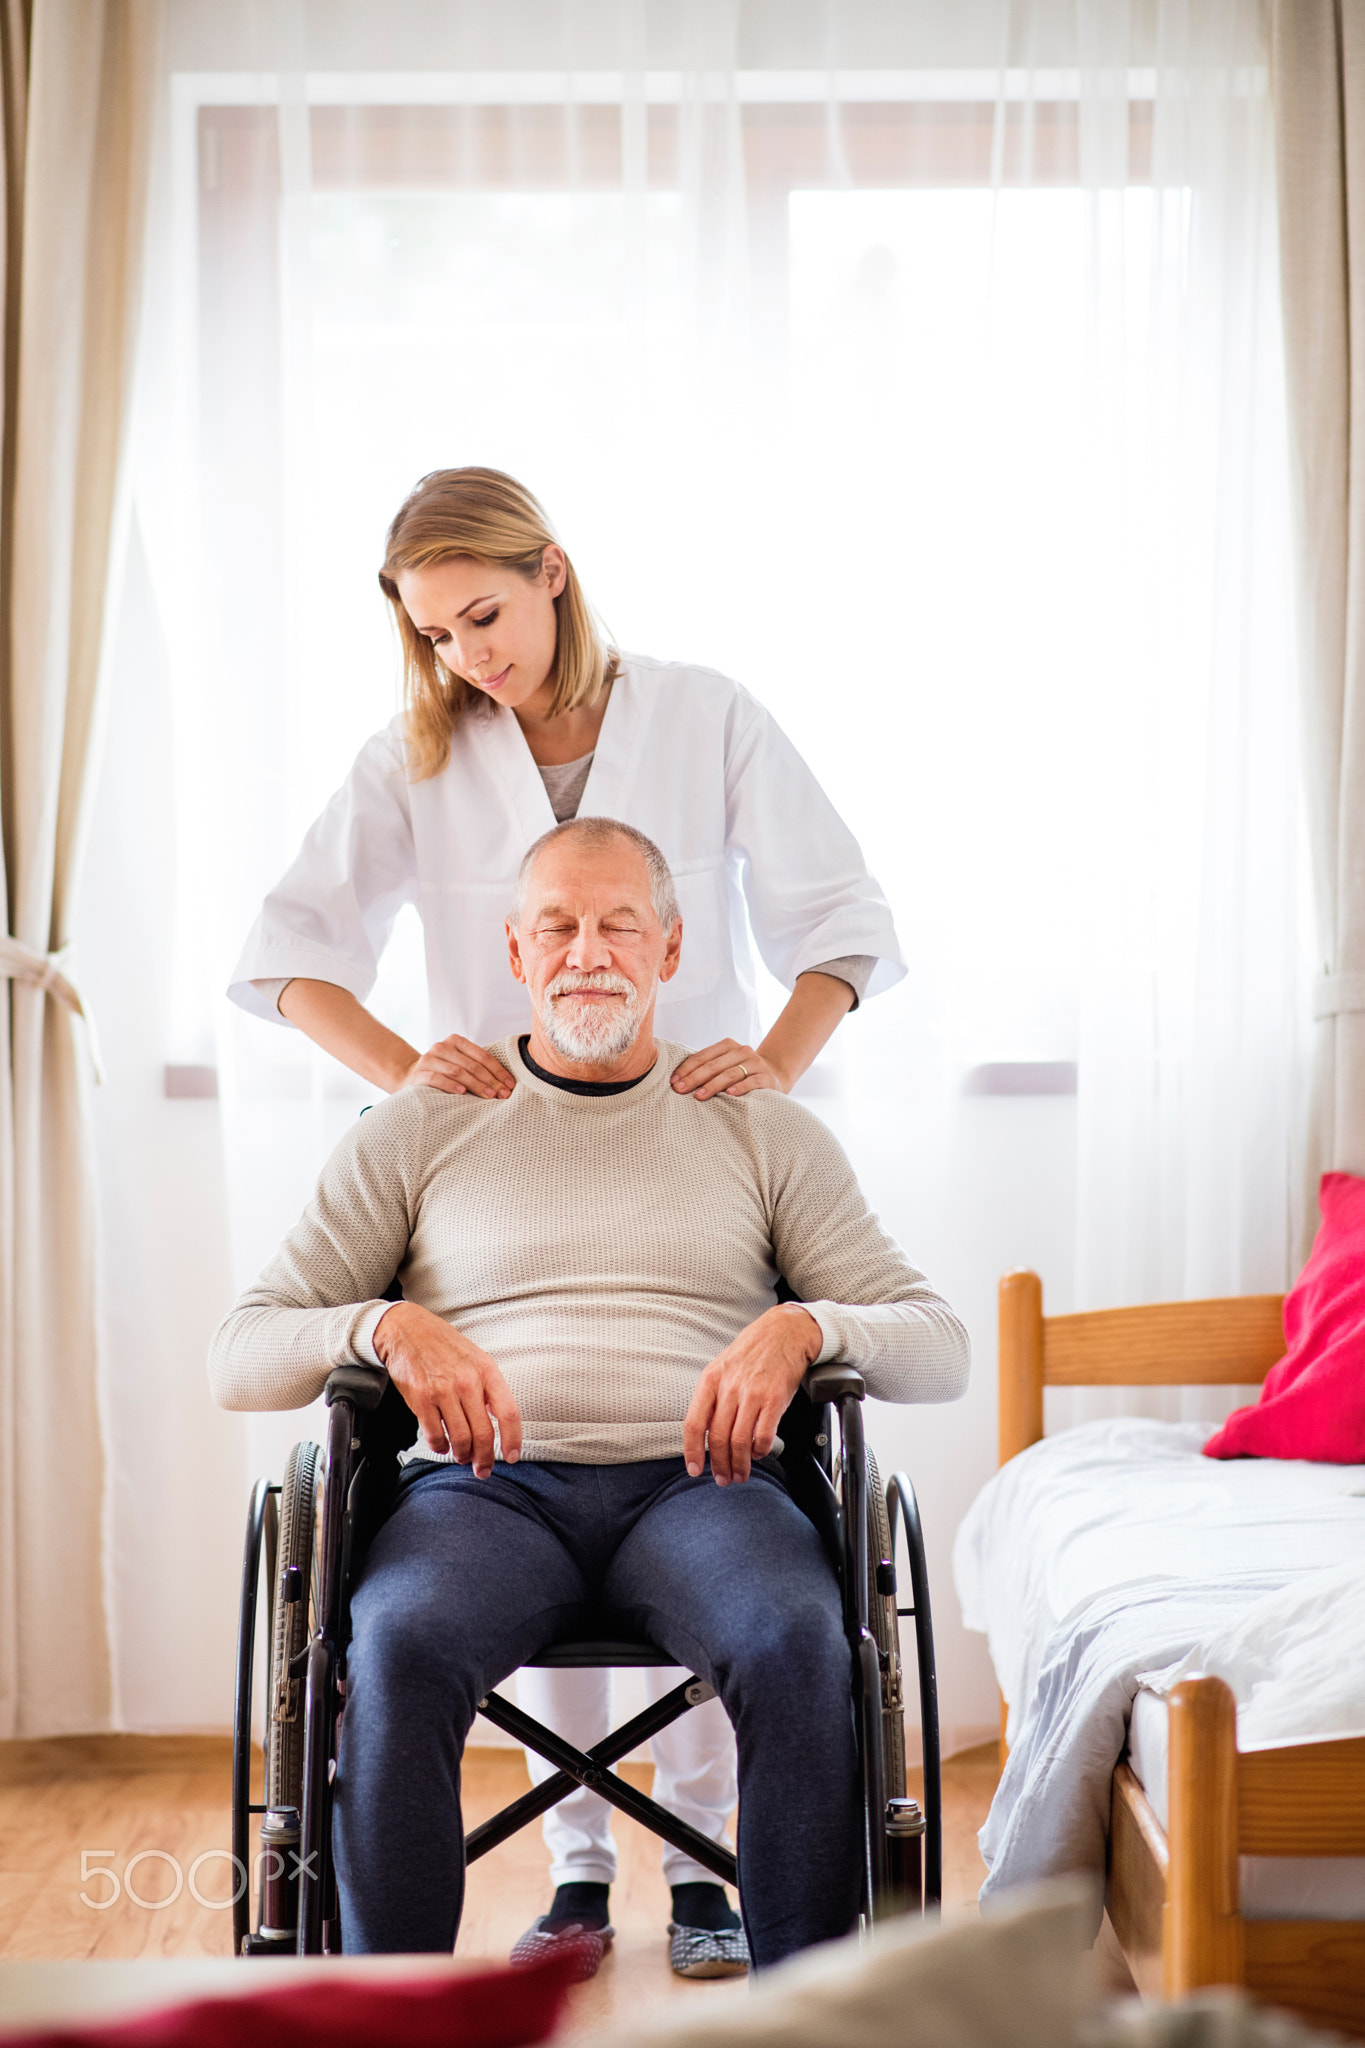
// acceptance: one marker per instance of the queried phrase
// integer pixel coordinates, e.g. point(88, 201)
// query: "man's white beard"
point(593, 1034)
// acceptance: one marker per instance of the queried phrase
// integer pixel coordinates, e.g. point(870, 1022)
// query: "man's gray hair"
point(598, 832)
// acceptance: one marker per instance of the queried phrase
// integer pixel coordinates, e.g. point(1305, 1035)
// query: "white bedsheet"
point(1117, 1537)
point(1295, 1660)
point(1130, 1502)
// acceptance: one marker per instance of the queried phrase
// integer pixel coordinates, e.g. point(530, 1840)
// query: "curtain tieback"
point(1335, 995)
point(46, 971)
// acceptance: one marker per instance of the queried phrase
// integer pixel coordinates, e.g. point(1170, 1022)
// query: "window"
point(835, 441)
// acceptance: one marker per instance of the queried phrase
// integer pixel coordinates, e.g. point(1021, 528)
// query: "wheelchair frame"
point(297, 1906)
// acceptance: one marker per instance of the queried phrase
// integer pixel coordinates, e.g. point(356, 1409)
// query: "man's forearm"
point(878, 1312)
point(333, 1019)
point(270, 1352)
point(914, 1350)
point(319, 1299)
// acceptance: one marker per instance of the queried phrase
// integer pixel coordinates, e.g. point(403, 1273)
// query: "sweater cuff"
point(824, 1313)
point(362, 1338)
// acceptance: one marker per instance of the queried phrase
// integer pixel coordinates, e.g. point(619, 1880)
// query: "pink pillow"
point(1313, 1402)
point(498, 2008)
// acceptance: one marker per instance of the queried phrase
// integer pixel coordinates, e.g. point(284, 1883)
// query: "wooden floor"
point(151, 1808)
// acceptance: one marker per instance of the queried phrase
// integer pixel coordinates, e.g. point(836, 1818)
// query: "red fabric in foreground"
point(502, 2008)
point(1313, 1402)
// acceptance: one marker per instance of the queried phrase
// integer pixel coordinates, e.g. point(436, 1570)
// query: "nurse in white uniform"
point(518, 715)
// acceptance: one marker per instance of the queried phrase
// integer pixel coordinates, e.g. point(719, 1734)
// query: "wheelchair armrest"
point(362, 1385)
point(833, 1383)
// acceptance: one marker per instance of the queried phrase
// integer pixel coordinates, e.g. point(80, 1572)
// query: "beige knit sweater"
point(602, 1249)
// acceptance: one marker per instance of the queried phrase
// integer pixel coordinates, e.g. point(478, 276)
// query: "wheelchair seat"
point(590, 1652)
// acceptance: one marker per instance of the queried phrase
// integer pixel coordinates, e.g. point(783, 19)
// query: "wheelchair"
point(309, 1533)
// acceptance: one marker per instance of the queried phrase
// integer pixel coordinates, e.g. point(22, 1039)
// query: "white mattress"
point(1271, 1887)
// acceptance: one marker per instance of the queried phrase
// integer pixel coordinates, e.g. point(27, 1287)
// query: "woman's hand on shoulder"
point(459, 1067)
point(728, 1067)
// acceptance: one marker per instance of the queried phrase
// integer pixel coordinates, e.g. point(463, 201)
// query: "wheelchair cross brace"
point(590, 1768)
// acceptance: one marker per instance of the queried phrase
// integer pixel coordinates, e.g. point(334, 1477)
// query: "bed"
point(1097, 1565)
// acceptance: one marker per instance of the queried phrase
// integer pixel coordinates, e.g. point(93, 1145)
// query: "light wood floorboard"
point(124, 1795)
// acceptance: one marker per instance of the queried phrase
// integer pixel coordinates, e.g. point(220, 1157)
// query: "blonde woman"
point(517, 715)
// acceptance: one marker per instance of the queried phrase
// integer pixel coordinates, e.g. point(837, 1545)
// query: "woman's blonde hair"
point(492, 518)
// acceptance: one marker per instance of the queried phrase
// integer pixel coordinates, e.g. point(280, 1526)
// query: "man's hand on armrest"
point(742, 1394)
point(450, 1385)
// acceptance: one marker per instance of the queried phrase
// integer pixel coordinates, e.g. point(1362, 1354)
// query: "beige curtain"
point(1318, 80)
point(77, 84)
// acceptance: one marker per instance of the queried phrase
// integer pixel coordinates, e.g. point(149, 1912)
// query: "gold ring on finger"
point(744, 1070)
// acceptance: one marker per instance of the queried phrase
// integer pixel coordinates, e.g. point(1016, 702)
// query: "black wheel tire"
point(292, 1624)
point(884, 1623)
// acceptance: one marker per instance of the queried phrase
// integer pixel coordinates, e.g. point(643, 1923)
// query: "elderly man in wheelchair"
point(589, 1341)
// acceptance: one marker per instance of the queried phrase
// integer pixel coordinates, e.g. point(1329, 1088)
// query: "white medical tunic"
point(685, 755)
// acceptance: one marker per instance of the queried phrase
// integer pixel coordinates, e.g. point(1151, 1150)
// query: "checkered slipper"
point(587, 1946)
point(697, 1952)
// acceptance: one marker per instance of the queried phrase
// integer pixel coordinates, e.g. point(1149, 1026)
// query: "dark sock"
point(704, 1906)
point(585, 1905)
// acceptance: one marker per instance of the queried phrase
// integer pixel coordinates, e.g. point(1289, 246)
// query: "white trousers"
point(694, 1772)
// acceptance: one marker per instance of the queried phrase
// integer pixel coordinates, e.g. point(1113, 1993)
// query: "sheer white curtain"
point(1192, 1009)
point(1192, 1017)
point(1318, 64)
point(917, 365)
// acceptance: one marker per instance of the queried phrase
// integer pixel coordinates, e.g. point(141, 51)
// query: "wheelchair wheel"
point(294, 1616)
point(884, 1623)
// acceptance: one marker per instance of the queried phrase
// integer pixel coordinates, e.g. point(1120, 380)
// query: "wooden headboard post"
point(1021, 1362)
point(1020, 1386)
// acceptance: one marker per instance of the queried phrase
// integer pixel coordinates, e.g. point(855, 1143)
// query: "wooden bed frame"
point(1173, 1898)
